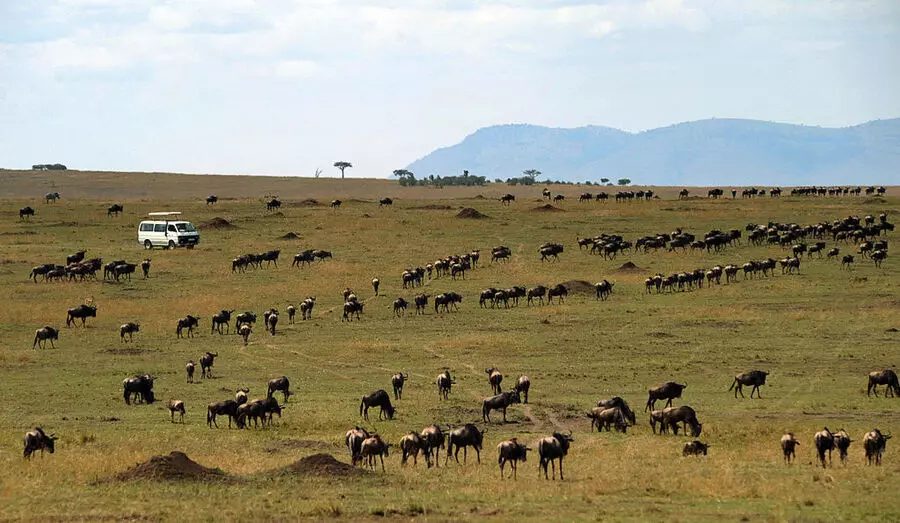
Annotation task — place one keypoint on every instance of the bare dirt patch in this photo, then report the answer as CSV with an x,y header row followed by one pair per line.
x,y
217,223
317,465
629,267
470,213
547,208
579,287
290,236
174,467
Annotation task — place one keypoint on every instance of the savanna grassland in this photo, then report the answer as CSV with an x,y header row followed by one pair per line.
x,y
818,334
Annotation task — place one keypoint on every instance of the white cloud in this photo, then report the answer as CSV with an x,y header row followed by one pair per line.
x,y
296,68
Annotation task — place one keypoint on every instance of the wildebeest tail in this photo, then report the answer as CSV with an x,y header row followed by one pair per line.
x,y
361,404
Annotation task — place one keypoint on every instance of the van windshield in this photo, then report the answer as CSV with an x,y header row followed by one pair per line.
x,y
185,227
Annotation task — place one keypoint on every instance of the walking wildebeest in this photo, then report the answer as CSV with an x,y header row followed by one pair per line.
x,y
523,384
221,408
51,197
244,318
506,199
847,261
26,212
354,440
245,331
176,406
292,311
499,402
885,377
385,201
559,291
43,334
211,199
788,446
550,250
36,440
511,451
552,448
824,442
188,322
83,312
434,441
281,384
375,283
124,269
240,396
129,328
463,438
668,391
694,448
604,289
306,307
874,443
444,384
536,292
351,308
77,257
206,363
223,317
495,378
145,267
421,301
189,369
139,386
273,204
380,399
271,320
371,447
114,209
410,445
397,380
756,378
842,442
400,306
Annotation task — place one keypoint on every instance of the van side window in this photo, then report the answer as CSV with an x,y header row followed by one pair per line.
x,y
159,227
172,228
146,227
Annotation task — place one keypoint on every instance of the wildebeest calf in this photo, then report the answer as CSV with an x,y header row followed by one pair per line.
x,y
36,440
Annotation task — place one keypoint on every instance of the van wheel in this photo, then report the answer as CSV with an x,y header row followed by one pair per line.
x,y
148,245
171,244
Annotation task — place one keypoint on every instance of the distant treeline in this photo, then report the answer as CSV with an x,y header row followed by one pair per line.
x,y
408,179
48,167
527,180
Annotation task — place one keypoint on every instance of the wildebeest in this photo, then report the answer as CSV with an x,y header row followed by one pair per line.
x,y
444,302
129,328
604,289
559,290
375,284
552,448
244,318
410,445
51,197
335,204
245,331
282,384
434,441
421,301
176,406
397,380
695,448
306,307
385,201
523,384
221,408
885,377
211,199
36,440
511,451
536,292
124,269
847,261
139,386
206,363
506,199
351,308
114,209
77,257
607,418
240,396
271,320
188,322
189,369
463,438
667,391
788,446
617,402
672,416
43,334
292,311
380,399
354,440
25,212
223,317
499,402
842,443
145,267
371,447
874,443
109,269
495,378
756,378
273,204
444,384
550,250
400,306
83,312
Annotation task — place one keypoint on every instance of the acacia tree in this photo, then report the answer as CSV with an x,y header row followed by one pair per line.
x,y
532,173
342,166
604,180
624,181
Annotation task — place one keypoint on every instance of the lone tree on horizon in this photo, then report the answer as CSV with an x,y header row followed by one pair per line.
x,y
532,173
624,181
342,166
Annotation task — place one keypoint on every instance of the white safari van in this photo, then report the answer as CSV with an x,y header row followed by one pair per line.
x,y
165,230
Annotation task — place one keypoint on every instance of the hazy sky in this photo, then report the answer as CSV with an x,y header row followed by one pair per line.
x,y
284,87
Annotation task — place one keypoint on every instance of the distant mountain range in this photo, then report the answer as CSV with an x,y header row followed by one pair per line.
x,y
702,153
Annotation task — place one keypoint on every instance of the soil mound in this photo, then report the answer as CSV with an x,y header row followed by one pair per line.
x,y
470,213
319,465
579,287
217,223
309,202
547,208
174,467
290,236
628,266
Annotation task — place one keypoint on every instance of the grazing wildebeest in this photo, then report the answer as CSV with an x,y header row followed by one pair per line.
x,y
400,306
222,408
444,384
36,440
668,391
523,384
495,378
281,384
506,199
463,438
695,448
421,301
385,201
306,307
656,418
129,328
220,319
552,448
273,204
351,308
874,443
788,446
139,386
833,253
499,402
410,445
558,290
756,378
606,418
189,369
604,289
380,399
672,416
211,199
51,197
617,402
176,406
26,212
114,209
43,334
188,322
354,440
434,440
885,377
397,380
511,451
83,312
335,204
206,363
371,447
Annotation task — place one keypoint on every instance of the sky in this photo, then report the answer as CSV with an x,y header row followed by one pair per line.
x,y
286,87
